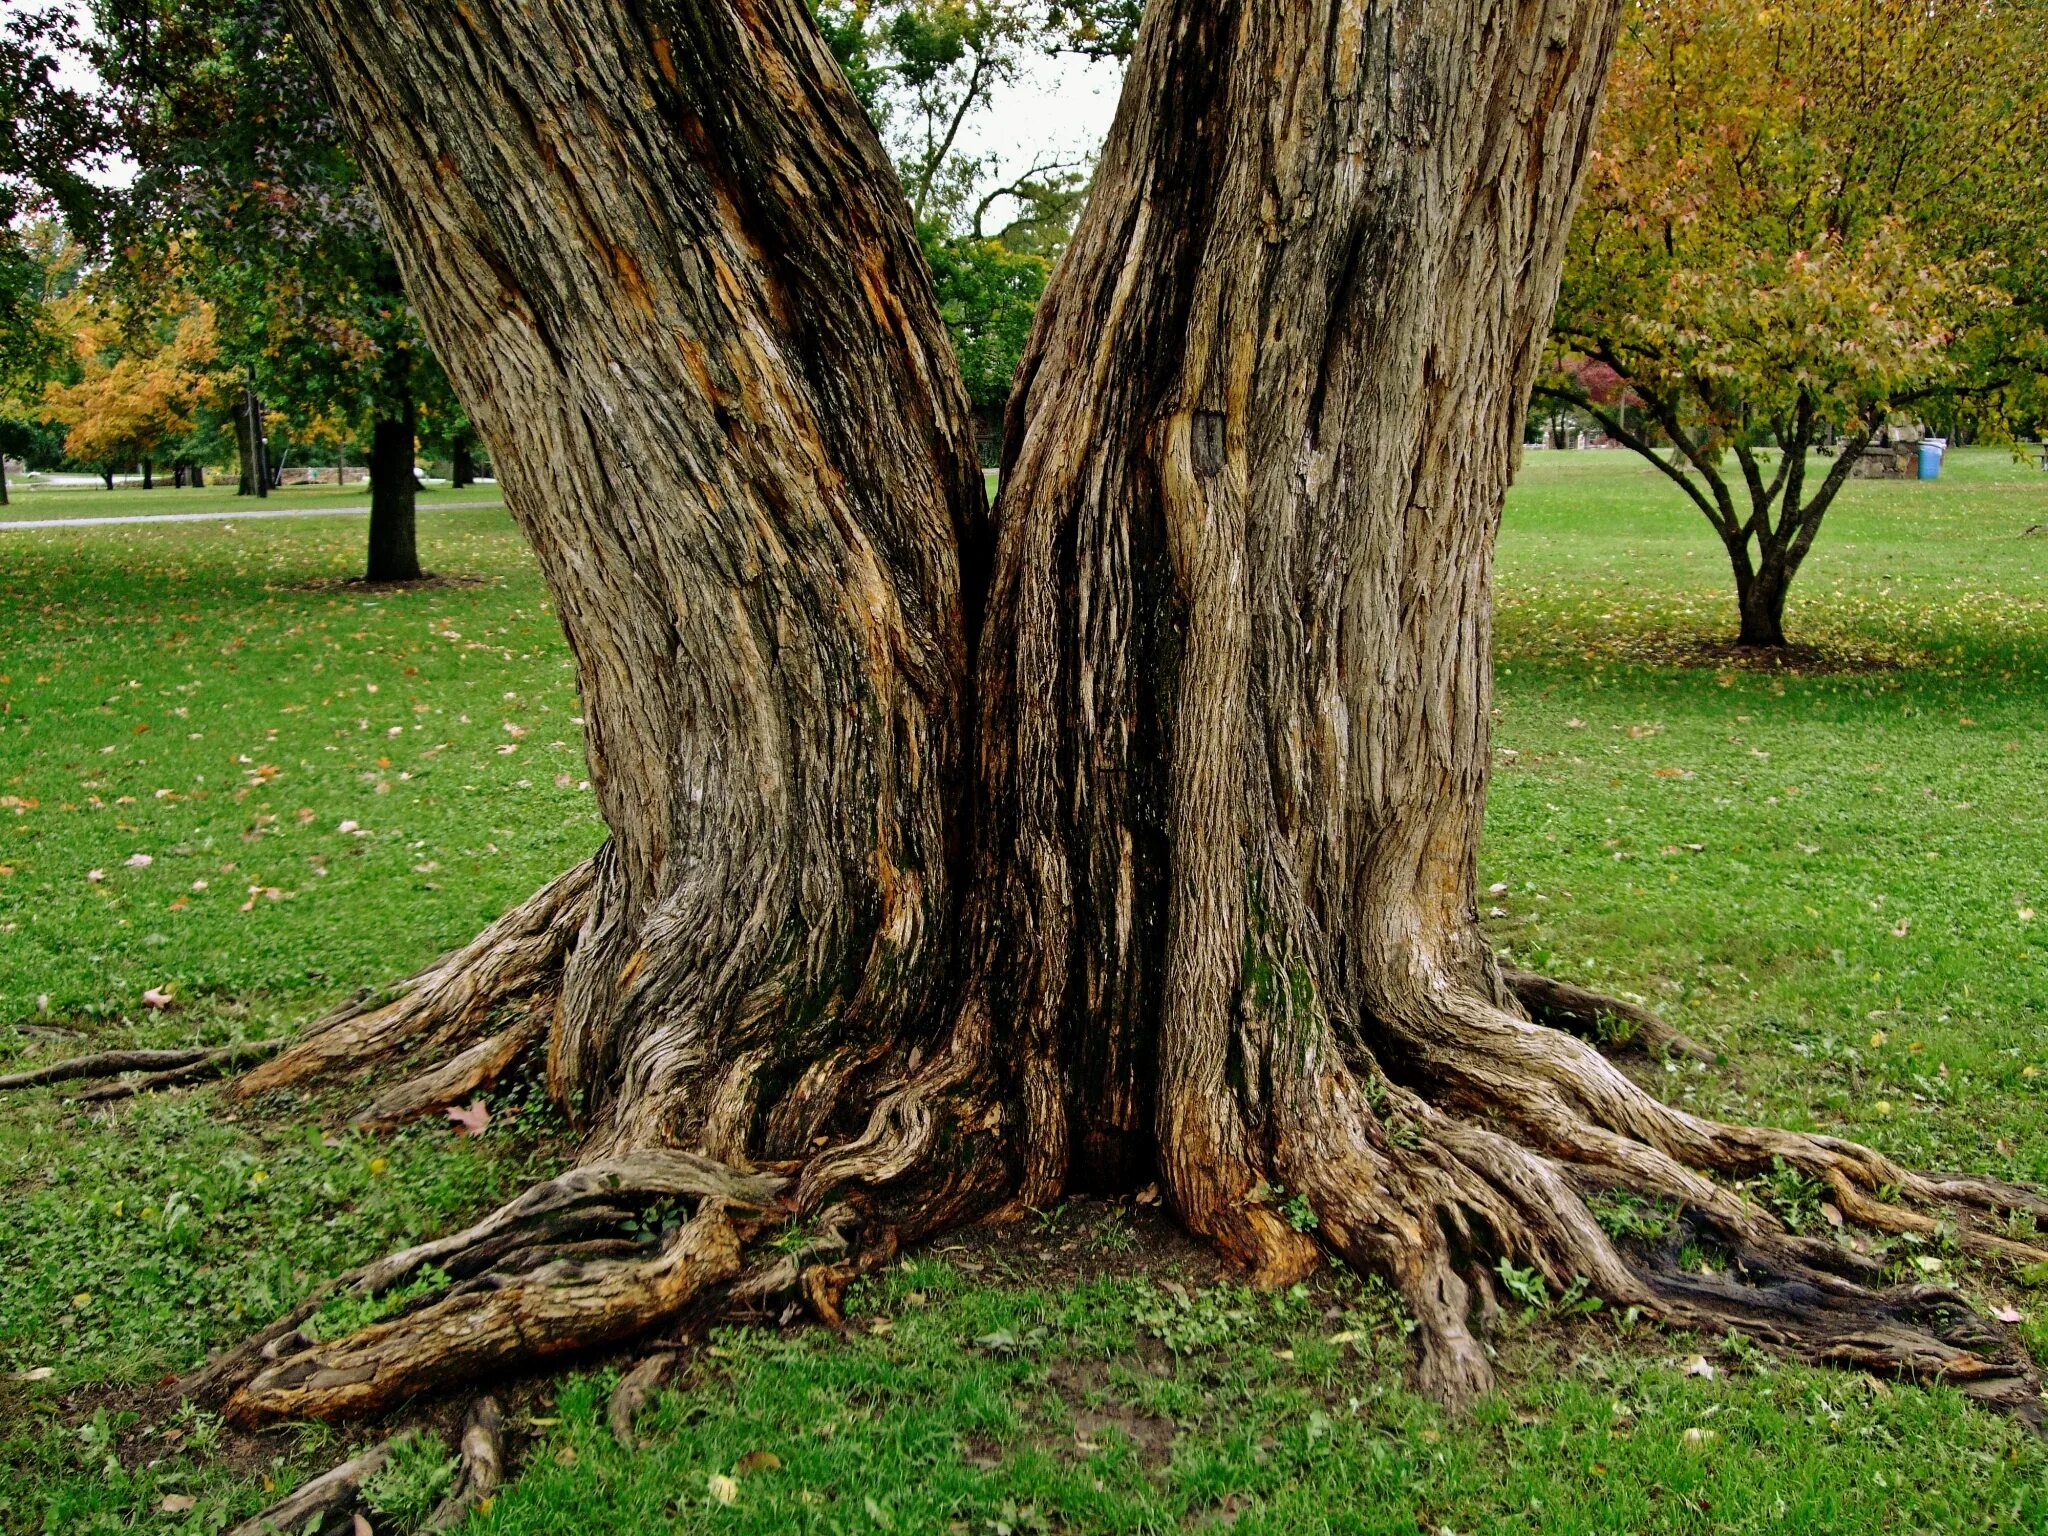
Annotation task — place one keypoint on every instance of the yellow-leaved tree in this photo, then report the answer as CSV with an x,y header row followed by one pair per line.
x,y
137,386
1798,222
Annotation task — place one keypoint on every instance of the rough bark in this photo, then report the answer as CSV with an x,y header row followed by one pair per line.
x,y
1208,911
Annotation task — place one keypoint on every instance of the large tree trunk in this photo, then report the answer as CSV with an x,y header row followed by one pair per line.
x,y
394,498
1199,904
1237,730
742,454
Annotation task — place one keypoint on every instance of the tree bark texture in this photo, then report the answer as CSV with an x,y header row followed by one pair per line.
x,y
668,269
1187,890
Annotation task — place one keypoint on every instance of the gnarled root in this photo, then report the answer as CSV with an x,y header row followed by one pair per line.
x,y
1612,1023
160,1069
550,1273
326,1503
1506,1128
559,1308
483,1465
632,1392
443,1012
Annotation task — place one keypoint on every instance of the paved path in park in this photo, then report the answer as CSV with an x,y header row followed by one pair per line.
x,y
225,517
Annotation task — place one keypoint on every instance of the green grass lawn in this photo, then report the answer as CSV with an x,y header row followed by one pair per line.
x,y
35,503
228,774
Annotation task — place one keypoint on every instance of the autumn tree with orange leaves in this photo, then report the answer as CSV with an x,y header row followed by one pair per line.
x,y
138,387
1798,222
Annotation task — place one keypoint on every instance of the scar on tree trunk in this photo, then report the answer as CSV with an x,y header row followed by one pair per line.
x,y
951,869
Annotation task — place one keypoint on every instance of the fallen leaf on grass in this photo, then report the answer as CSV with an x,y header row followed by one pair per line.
x,y
156,997
1699,1366
722,1488
757,1461
471,1121
176,1503
36,1373
2008,1314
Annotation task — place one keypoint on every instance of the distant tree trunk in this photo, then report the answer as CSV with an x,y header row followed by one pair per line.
x,y
948,871
198,476
148,479
1760,600
107,475
394,493
250,448
3,480
462,465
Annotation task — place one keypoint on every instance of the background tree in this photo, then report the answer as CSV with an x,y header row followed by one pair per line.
x,y
954,865
1799,221
924,70
139,382
51,144
243,183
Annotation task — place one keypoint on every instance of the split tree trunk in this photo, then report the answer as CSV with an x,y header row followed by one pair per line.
x,y
1199,903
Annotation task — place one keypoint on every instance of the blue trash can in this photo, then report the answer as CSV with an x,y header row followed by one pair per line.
x,y
1931,450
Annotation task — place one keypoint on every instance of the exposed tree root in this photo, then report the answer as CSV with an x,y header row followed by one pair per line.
x,y
1610,1022
526,1284
100,1064
440,1012
217,1062
325,1504
561,1307
455,1079
1579,1125
483,1465
164,1068
632,1392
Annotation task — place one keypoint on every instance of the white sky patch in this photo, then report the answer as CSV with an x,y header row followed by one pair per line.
x,y
1059,105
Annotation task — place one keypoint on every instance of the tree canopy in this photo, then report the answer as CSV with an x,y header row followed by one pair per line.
x,y
1799,221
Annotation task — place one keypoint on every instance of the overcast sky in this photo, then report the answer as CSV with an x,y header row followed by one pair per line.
x,y
1059,105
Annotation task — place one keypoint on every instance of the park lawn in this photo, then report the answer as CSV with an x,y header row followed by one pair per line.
x,y
30,503
1829,873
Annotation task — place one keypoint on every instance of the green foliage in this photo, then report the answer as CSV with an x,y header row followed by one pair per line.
x,y
988,295
416,1477
1626,1215
344,1314
1188,1321
1793,1197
